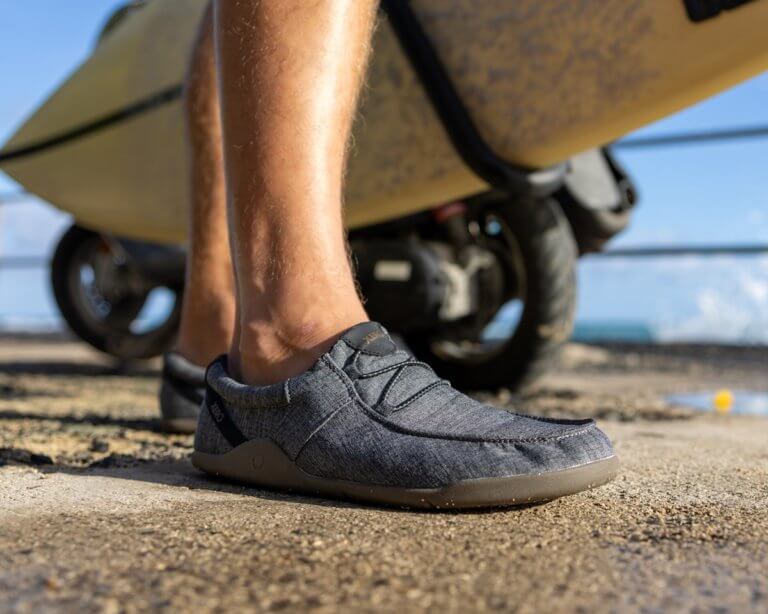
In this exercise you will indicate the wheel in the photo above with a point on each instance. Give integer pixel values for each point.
(108, 303)
(521, 327)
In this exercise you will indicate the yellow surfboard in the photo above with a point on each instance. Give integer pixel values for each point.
(542, 79)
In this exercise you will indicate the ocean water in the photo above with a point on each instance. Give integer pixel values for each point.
(606, 331)
(722, 299)
(745, 402)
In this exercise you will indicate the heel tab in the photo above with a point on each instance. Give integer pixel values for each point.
(216, 408)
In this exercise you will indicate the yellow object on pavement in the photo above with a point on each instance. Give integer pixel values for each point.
(723, 401)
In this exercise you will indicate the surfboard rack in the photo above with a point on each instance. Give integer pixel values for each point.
(461, 129)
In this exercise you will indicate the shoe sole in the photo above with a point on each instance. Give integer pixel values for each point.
(180, 426)
(262, 463)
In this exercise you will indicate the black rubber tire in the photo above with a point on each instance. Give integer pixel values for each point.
(549, 256)
(122, 344)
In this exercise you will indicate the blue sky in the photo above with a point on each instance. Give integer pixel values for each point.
(689, 194)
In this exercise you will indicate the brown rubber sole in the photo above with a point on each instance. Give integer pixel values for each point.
(262, 463)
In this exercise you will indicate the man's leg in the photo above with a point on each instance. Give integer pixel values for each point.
(290, 72)
(208, 310)
(361, 419)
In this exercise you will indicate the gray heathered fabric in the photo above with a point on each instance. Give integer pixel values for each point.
(181, 380)
(369, 413)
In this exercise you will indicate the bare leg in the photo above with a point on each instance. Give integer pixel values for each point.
(290, 73)
(208, 310)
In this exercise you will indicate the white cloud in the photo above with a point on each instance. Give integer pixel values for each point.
(734, 310)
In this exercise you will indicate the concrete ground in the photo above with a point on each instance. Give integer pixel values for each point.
(100, 513)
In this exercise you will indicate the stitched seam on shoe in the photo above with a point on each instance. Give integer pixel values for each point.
(371, 413)
(583, 421)
(405, 431)
(320, 426)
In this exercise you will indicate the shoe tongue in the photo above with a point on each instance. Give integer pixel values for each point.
(371, 338)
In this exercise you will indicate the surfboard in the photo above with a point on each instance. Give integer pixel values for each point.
(542, 79)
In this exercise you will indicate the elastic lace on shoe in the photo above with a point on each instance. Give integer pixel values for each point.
(399, 369)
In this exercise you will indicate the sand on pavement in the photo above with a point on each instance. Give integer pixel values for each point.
(99, 512)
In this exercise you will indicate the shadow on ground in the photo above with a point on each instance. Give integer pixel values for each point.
(89, 419)
(56, 368)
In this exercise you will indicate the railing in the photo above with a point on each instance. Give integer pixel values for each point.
(655, 251)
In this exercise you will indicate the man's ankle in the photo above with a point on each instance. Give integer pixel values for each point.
(207, 328)
(203, 349)
(269, 353)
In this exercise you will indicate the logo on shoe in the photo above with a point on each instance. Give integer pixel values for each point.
(216, 412)
(377, 342)
(372, 336)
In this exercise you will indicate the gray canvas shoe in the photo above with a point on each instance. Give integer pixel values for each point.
(369, 422)
(181, 394)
